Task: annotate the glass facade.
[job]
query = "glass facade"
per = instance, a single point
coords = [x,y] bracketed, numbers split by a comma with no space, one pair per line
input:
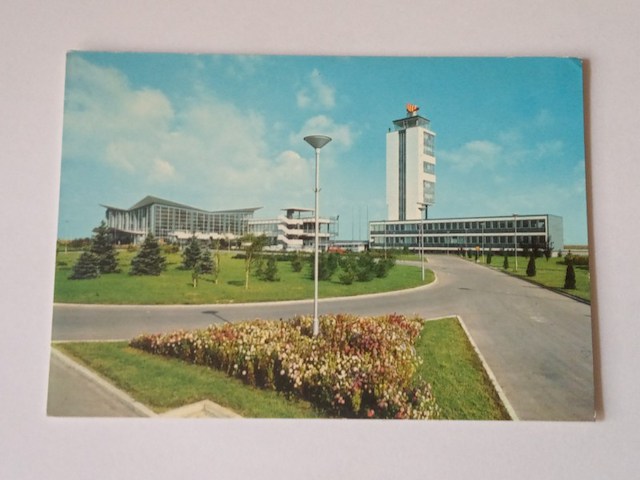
[451,234]
[168,221]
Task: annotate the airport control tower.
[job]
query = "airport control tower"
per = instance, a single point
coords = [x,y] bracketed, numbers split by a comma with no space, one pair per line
[411,161]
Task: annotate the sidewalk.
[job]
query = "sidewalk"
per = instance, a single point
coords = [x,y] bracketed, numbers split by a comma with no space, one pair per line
[75,391]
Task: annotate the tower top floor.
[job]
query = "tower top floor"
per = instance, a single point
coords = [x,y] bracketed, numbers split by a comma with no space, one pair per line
[412,119]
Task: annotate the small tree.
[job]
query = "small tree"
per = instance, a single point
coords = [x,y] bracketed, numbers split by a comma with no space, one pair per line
[365,267]
[531,266]
[191,254]
[327,265]
[149,260]
[216,261]
[570,277]
[296,262]
[270,273]
[252,246]
[548,249]
[348,269]
[505,262]
[102,247]
[205,263]
[489,257]
[86,267]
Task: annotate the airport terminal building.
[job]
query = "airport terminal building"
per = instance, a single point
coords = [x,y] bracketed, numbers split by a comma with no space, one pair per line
[411,189]
[172,222]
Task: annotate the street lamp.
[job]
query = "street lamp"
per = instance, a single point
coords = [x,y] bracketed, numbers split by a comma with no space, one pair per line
[482,240]
[317,142]
[422,208]
[515,238]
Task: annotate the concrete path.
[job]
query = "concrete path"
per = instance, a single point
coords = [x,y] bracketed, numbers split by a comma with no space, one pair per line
[538,343]
[74,391]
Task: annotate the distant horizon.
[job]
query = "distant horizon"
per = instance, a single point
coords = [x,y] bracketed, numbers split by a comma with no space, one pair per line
[224,132]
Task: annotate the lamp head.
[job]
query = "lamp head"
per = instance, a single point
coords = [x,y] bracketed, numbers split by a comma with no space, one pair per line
[317,141]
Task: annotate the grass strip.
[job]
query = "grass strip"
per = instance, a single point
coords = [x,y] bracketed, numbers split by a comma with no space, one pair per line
[458,380]
[549,273]
[165,383]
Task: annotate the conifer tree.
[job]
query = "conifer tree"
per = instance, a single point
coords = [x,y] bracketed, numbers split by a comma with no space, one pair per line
[86,267]
[205,262]
[149,260]
[102,247]
[191,254]
[570,277]
[531,266]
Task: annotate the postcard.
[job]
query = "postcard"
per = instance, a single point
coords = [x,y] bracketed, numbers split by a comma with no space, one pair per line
[264,236]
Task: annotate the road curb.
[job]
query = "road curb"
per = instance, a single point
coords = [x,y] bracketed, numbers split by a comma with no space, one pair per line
[89,375]
[503,397]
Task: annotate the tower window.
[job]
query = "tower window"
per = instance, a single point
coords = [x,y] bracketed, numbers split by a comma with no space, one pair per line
[429,168]
[429,143]
[429,192]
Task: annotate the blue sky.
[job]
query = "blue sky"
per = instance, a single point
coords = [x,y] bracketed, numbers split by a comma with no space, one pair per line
[221,132]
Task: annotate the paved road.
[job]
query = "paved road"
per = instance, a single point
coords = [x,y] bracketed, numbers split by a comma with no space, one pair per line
[538,343]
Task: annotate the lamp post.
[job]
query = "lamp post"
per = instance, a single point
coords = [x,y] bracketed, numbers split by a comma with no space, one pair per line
[317,142]
[482,240]
[422,208]
[515,238]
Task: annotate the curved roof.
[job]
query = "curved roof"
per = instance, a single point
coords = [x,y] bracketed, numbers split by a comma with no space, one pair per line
[150,200]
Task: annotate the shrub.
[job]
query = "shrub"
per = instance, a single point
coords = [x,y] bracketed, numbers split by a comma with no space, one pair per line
[296,262]
[505,262]
[365,267]
[577,260]
[348,269]
[359,367]
[383,265]
[489,257]
[270,272]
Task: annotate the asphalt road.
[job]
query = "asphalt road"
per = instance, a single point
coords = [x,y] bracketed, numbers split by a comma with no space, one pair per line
[538,343]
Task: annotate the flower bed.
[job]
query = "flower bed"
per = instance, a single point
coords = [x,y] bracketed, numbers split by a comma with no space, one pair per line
[358,367]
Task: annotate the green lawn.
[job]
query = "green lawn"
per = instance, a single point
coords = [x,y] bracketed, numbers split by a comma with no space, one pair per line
[166,383]
[174,285]
[549,273]
[459,383]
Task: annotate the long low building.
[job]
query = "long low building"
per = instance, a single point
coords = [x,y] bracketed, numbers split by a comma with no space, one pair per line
[450,234]
[170,221]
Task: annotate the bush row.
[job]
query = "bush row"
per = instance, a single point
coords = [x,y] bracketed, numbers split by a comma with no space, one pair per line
[358,367]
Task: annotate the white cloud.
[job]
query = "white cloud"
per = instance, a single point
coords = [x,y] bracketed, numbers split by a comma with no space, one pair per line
[216,154]
[162,170]
[316,93]
[474,154]
[341,134]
